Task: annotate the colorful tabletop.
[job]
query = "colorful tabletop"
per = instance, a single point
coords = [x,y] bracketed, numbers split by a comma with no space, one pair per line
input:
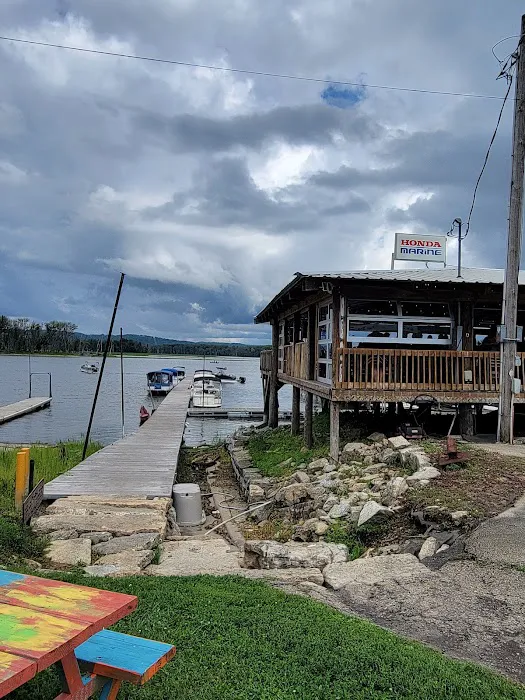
[43,621]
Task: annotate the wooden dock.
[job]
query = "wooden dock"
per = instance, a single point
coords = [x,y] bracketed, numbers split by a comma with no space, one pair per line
[234,413]
[142,464]
[22,408]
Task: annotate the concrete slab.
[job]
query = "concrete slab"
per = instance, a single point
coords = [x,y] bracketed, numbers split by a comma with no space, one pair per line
[501,539]
[193,557]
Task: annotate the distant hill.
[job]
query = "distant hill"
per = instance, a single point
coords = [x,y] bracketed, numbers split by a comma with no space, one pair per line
[134,343]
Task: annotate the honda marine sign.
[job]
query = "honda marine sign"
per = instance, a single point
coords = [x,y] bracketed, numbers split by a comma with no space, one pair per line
[420,248]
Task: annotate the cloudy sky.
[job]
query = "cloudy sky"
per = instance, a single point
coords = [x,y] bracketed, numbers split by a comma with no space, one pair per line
[211,188]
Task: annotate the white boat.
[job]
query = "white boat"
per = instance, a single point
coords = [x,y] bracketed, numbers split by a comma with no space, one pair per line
[206,390]
[89,367]
[223,375]
[161,382]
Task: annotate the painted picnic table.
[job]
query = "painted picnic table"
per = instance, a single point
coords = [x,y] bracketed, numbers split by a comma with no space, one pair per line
[42,622]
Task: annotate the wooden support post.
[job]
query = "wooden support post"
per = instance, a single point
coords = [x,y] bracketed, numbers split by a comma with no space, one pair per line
[510,288]
[20,479]
[308,420]
[466,416]
[296,410]
[392,409]
[334,430]
[273,402]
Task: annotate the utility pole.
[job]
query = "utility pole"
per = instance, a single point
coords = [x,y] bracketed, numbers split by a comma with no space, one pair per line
[510,290]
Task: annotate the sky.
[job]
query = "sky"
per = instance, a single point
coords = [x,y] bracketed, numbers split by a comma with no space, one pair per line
[210,189]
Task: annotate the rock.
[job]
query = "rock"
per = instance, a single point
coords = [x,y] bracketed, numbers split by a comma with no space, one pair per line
[321,528]
[318,465]
[301,477]
[340,510]
[376,437]
[292,494]
[424,475]
[286,463]
[389,549]
[355,512]
[193,557]
[443,548]
[330,468]
[70,552]
[147,540]
[286,576]
[272,555]
[129,563]
[398,442]
[118,516]
[373,570]
[255,493]
[412,545]
[459,516]
[443,556]
[330,502]
[428,548]
[424,482]
[373,512]
[406,455]
[32,564]
[393,490]
[97,537]
[63,535]
[355,450]
[375,468]
[104,570]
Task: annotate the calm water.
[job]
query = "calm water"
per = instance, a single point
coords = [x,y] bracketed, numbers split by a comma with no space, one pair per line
[73,392]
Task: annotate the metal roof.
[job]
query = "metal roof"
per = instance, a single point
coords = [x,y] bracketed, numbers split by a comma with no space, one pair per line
[448,275]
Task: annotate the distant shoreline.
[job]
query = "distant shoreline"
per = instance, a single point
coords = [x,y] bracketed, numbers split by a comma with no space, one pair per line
[209,358]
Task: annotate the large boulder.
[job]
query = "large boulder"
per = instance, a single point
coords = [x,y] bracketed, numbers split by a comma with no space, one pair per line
[423,475]
[295,493]
[70,552]
[398,442]
[394,490]
[267,554]
[373,512]
[147,540]
[377,437]
[356,451]
[373,571]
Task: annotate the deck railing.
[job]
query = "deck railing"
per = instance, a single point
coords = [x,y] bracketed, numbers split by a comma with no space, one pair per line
[266,361]
[421,370]
[296,361]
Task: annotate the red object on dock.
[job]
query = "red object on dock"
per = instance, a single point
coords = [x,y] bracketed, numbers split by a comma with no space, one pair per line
[144,414]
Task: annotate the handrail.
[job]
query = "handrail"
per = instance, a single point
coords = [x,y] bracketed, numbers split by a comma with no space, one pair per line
[31,383]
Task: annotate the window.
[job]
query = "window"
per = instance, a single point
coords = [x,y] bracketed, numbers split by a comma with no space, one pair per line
[424,308]
[372,329]
[371,308]
[324,343]
[402,323]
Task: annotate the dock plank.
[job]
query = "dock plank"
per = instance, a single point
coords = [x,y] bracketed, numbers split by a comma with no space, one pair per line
[22,408]
[142,464]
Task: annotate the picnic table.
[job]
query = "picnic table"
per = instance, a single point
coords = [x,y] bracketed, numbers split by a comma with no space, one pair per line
[45,622]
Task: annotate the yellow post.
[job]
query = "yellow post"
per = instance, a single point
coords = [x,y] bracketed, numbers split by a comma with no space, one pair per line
[27,453]
[20,479]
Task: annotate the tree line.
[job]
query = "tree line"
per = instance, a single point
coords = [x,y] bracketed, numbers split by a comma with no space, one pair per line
[20,335]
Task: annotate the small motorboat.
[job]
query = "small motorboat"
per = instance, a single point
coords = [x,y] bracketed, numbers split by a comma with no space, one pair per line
[241,380]
[143,415]
[89,367]
[206,391]
[224,377]
[160,383]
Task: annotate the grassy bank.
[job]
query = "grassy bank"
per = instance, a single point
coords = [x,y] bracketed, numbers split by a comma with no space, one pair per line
[17,542]
[241,640]
[50,462]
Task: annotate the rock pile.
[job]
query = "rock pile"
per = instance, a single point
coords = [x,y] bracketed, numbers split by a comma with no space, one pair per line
[367,486]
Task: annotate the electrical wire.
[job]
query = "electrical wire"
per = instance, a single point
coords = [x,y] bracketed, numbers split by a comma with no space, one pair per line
[265,74]
[469,219]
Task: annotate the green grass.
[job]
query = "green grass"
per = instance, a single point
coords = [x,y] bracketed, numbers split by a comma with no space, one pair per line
[242,640]
[269,449]
[50,462]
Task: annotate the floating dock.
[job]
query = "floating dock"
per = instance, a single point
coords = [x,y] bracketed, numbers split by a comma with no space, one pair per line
[22,408]
[234,413]
[142,464]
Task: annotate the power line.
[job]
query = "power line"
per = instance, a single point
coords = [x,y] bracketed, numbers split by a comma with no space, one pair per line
[265,74]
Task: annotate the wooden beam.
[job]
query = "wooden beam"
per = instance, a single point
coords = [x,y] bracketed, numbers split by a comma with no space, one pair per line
[334,430]
[296,410]
[273,401]
[466,416]
[308,420]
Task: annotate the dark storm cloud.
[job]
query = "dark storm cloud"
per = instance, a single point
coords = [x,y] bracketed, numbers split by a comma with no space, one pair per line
[297,125]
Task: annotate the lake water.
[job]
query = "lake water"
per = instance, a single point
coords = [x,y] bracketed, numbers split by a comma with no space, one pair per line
[73,392]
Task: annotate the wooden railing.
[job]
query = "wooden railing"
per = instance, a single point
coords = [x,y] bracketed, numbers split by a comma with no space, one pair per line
[421,370]
[266,361]
[296,361]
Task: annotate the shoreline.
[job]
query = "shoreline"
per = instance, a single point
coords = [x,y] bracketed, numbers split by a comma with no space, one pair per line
[129,355]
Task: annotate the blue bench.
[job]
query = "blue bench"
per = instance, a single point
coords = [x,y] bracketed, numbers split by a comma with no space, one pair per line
[122,657]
